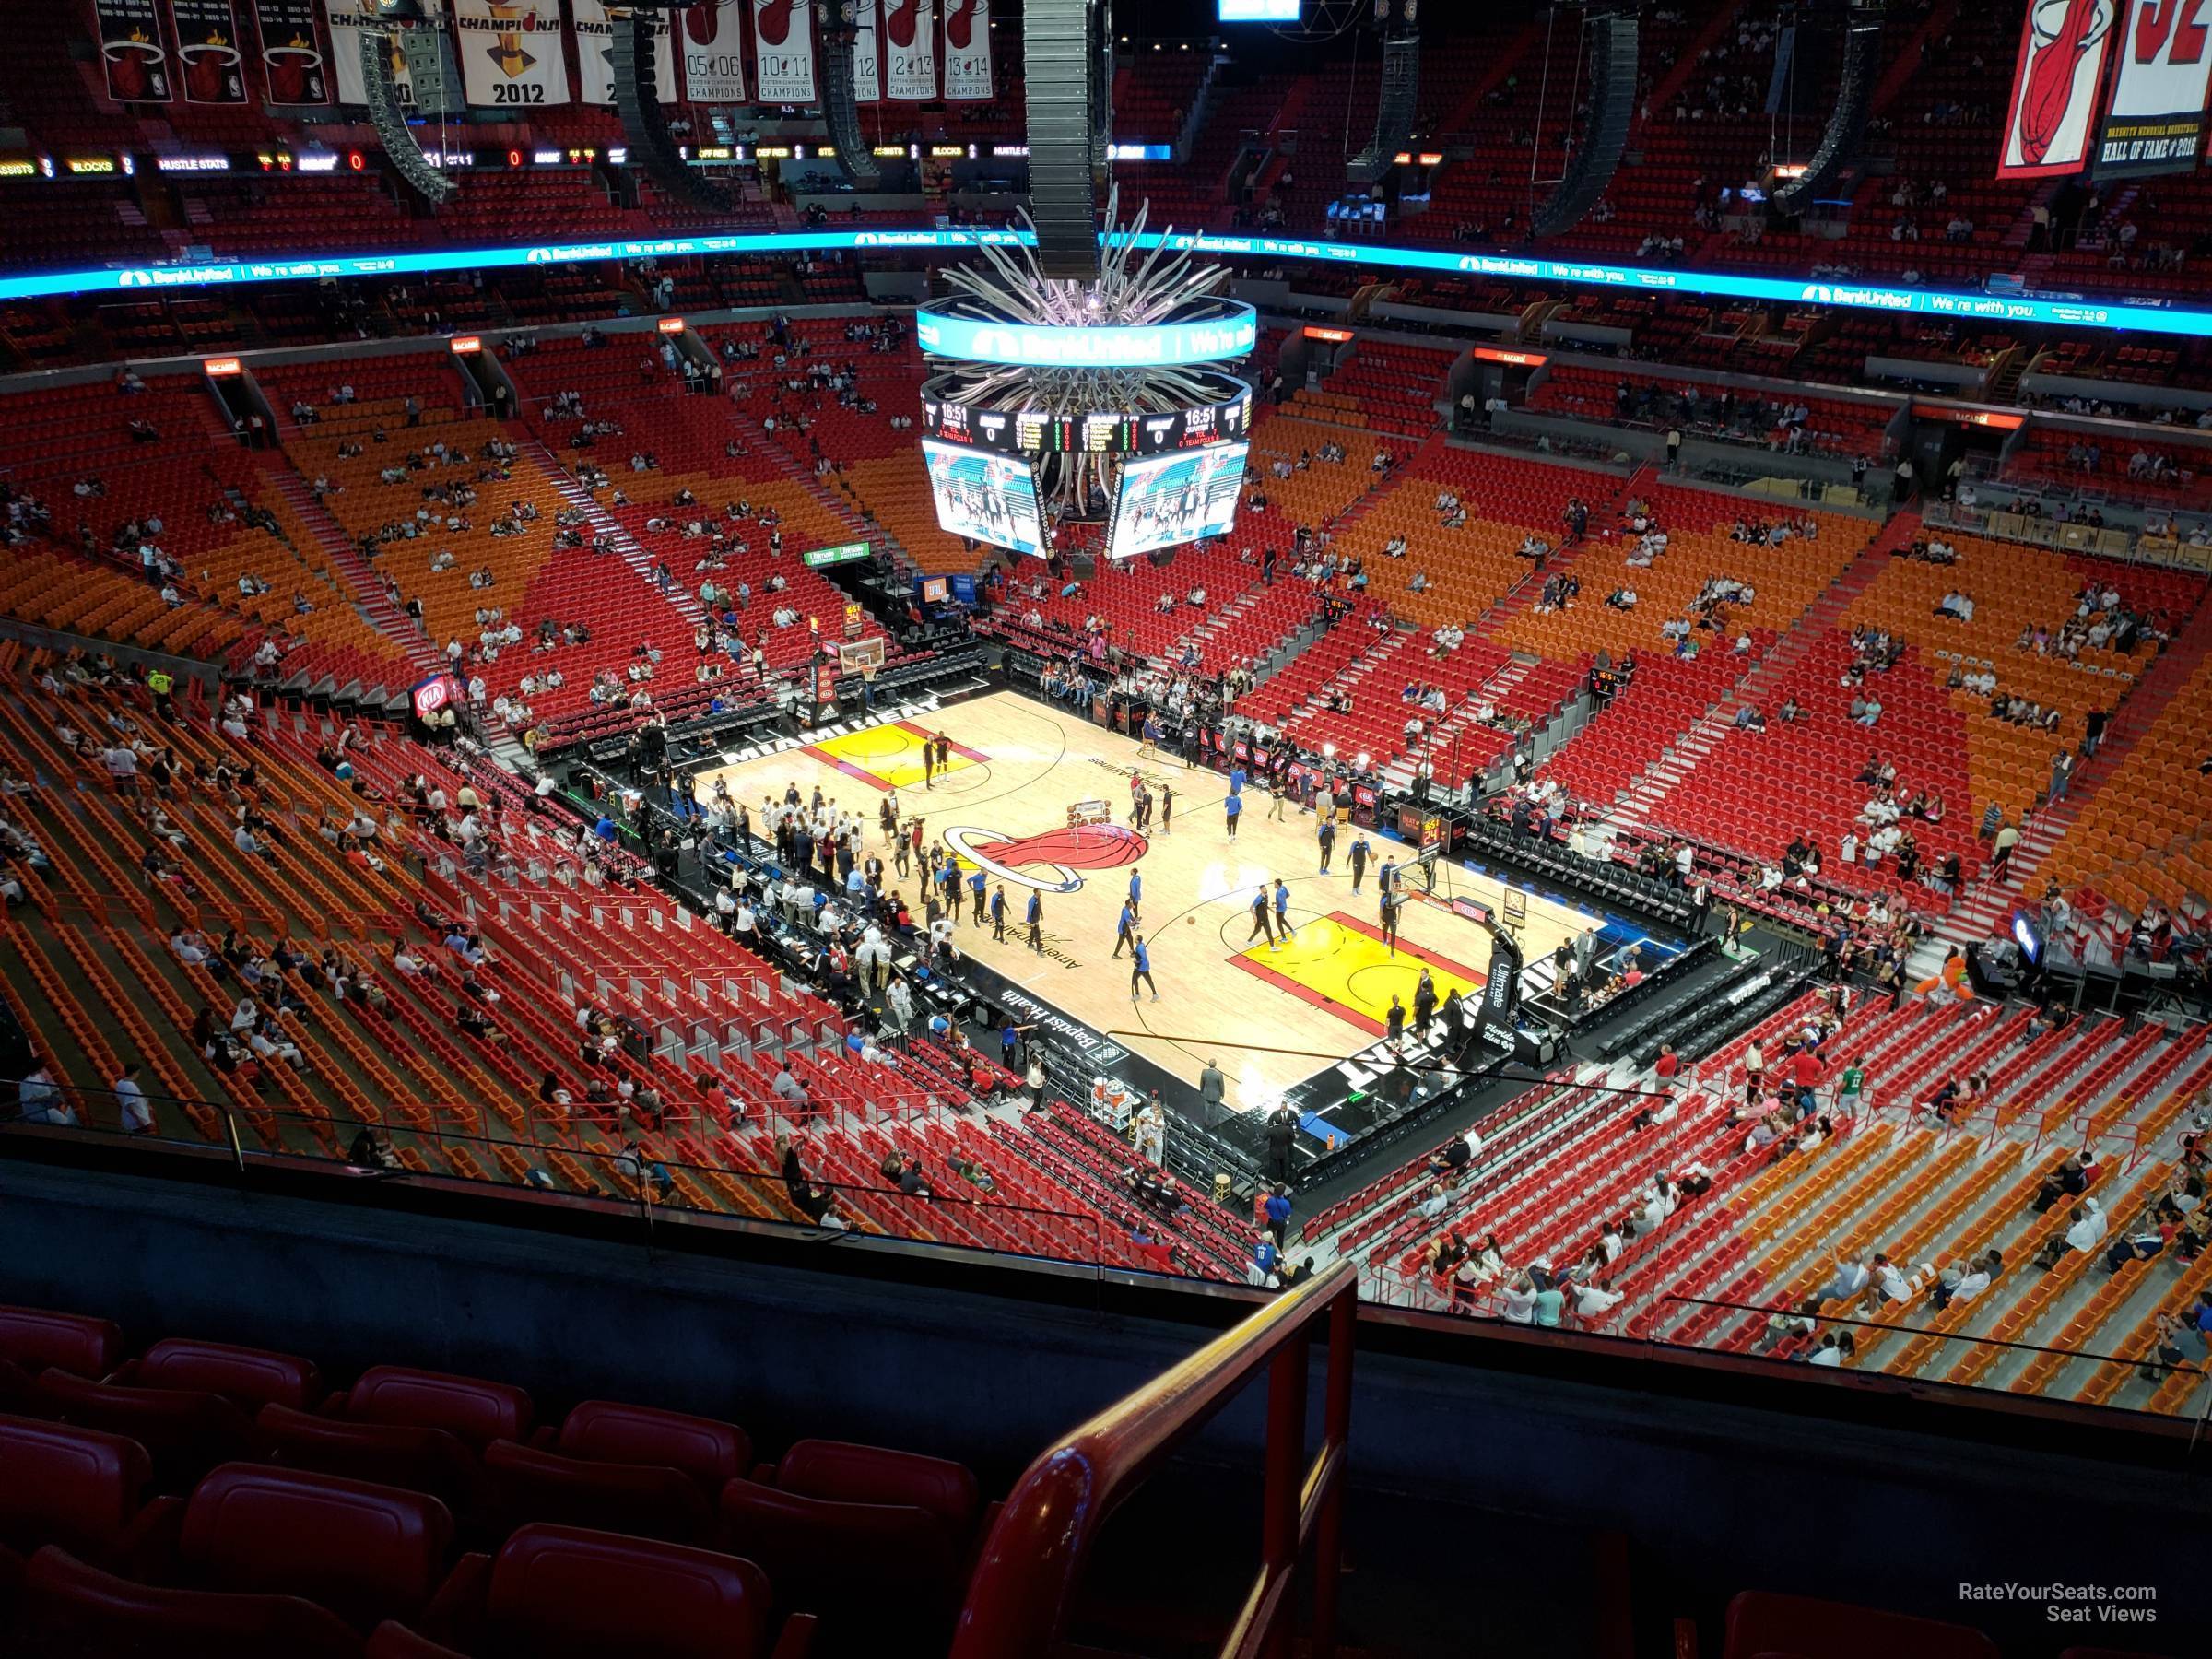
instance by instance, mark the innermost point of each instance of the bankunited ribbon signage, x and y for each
(2064, 311)
(1232, 334)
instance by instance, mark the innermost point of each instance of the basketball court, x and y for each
(1018, 767)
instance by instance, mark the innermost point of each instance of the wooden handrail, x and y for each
(1026, 1576)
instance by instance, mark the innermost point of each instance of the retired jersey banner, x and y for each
(292, 66)
(131, 51)
(967, 49)
(910, 49)
(513, 54)
(867, 57)
(349, 20)
(782, 51)
(2155, 122)
(2051, 118)
(210, 64)
(594, 43)
(712, 38)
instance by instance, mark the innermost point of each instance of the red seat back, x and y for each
(852, 1563)
(609, 1431)
(641, 1499)
(419, 1460)
(36, 1337)
(478, 1411)
(366, 1552)
(73, 1607)
(560, 1590)
(187, 1432)
(252, 1377)
(1804, 1628)
(59, 1483)
(853, 1474)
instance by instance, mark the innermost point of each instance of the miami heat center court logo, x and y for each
(1054, 862)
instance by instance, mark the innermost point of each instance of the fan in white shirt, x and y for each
(2088, 1226)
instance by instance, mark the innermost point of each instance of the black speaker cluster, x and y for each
(1613, 44)
(634, 56)
(1847, 123)
(391, 123)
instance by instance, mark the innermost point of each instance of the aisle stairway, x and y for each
(367, 588)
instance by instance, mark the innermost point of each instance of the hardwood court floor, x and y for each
(1018, 763)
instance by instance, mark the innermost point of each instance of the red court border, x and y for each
(1351, 1016)
(853, 768)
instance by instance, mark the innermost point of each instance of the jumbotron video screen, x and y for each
(985, 496)
(1165, 500)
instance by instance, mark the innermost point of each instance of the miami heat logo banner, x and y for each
(347, 18)
(132, 53)
(594, 43)
(514, 55)
(2049, 124)
(910, 49)
(292, 64)
(967, 49)
(712, 38)
(782, 51)
(2155, 122)
(867, 57)
(209, 62)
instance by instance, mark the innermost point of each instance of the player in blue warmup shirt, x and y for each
(1140, 968)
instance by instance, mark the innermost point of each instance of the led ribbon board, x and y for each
(2147, 316)
(1230, 332)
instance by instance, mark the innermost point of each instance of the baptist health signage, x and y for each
(1185, 343)
(1231, 334)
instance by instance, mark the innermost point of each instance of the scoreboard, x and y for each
(1031, 433)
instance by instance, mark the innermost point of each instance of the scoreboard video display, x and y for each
(1165, 500)
(985, 496)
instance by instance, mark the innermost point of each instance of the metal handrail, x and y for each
(1026, 1577)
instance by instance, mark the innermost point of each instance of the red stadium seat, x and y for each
(78, 1487)
(366, 1552)
(642, 1499)
(71, 1606)
(557, 1592)
(469, 1407)
(842, 1472)
(420, 1460)
(1766, 1626)
(880, 1576)
(187, 1431)
(35, 1338)
(609, 1431)
(250, 1377)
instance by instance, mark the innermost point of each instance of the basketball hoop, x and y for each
(864, 657)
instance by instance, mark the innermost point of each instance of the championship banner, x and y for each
(292, 64)
(510, 52)
(910, 49)
(348, 21)
(712, 38)
(131, 51)
(782, 52)
(211, 65)
(594, 43)
(2155, 122)
(2049, 123)
(867, 57)
(967, 49)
